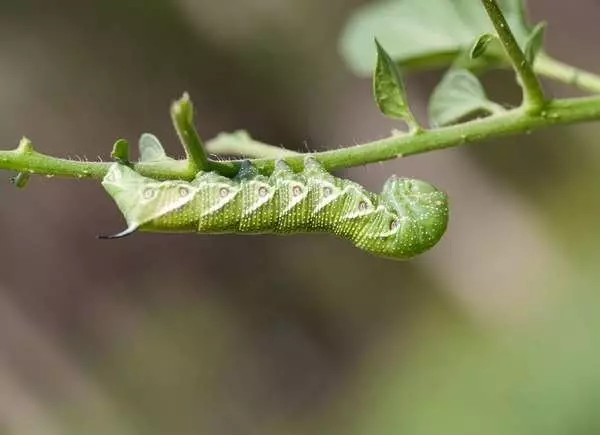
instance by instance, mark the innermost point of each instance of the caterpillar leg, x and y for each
(312, 166)
(282, 169)
(247, 171)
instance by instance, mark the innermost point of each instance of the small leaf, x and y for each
(481, 45)
(388, 88)
(533, 43)
(423, 33)
(150, 149)
(458, 96)
(21, 179)
(120, 151)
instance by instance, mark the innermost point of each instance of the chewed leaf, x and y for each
(458, 96)
(388, 88)
(151, 149)
(422, 33)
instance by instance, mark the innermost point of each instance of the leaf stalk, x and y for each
(533, 94)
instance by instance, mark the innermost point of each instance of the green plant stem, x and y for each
(533, 95)
(182, 114)
(549, 67)
(519, 120)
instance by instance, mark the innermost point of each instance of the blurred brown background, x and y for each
(495, 331)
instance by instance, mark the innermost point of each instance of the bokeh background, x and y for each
(495, 331)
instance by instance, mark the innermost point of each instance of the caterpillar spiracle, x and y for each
(407, 218)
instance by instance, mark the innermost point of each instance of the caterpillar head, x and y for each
(145, 203)
(420, 216)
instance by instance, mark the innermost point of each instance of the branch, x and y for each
(570, 75)
(568, 111)
(182, 114)
(533, 95)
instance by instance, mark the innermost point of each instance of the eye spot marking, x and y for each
(148, 193)
(183, 191)
(297, 190)
(394, 224)
(110, 177)
(263, 191)
(223, 192)
(327, 191)
(362, 205)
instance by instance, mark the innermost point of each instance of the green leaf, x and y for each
(151, 150)
(422, 33)
(388, 88)
(120, 151)
(458, 96)
(481, 44)
(533, 44)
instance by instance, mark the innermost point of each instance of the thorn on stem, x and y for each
(25, 146)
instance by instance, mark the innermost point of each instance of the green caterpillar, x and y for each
(407, 218)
